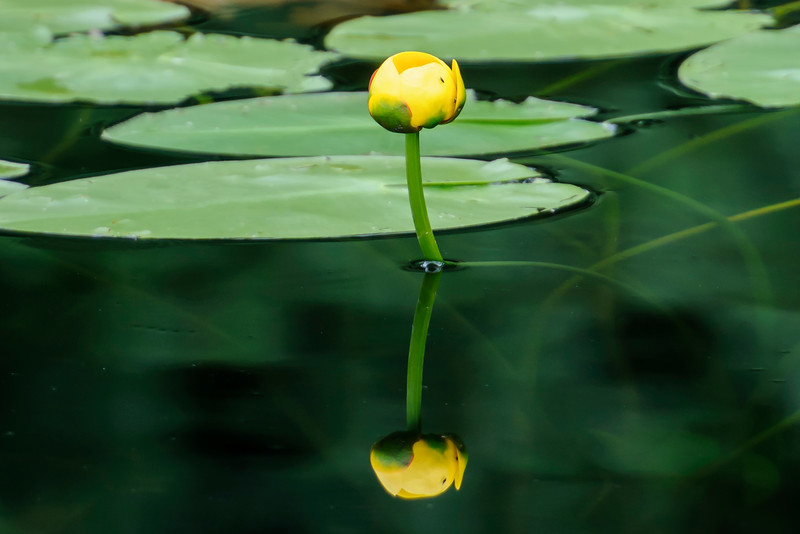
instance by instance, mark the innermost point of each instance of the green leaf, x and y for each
(11, 169)
(495, 5)
(288, 198)
(65, 16)
(541, 32)
(7, 187)
(154, 68)
(23, 41)
(339, 123)
(762, 68)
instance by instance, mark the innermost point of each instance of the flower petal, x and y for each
(408, 60)
(429, 91)
(461, 94)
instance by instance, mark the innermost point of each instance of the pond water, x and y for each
(178, 386)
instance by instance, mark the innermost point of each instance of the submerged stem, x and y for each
(416, 349)
(419, 212)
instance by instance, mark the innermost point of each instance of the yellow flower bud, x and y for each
(413, 466)
(415, 90)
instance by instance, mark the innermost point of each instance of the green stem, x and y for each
(417, 199)
(416, 349)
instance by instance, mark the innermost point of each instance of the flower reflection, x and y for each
(413, 466)
(410, 464)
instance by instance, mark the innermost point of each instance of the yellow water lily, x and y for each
(415, 90)
(413, 466)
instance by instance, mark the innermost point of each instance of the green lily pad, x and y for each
(23, 41)
(495, 5)
(762, 68)
(285, 198)
(7, 187)
(154, 68)
(541, 32)
(339, 124)
(64, 16)
(11, 169)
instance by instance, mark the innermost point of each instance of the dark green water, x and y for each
(166, 387)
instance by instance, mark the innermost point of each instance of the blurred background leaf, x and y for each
(82, 15)
(762, 68)
(544, 32)
(156, 68)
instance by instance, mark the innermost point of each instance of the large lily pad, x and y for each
(546, 31)
(64, 16)
(285, 198)
(154, 68)
(339, 123)
(12, 169)
(762, 68)
(518, 4)
(7, 187)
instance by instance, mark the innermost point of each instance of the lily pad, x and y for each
(542, 32)
(762, 68)
(155, 68)
(11, 169)
(284, 198)
(518, 4)
(7, 187)
(64, 16)
(339, 123)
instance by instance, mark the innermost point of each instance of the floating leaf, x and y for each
(7, 187)
(682, 112)
(65, 16)
(338, 123)
(762, 68)
(11, 169)
(157, 67)
(541, 32)
(495, 5)
(23, 41)
(287, 198)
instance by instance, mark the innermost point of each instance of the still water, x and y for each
(237, 387)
